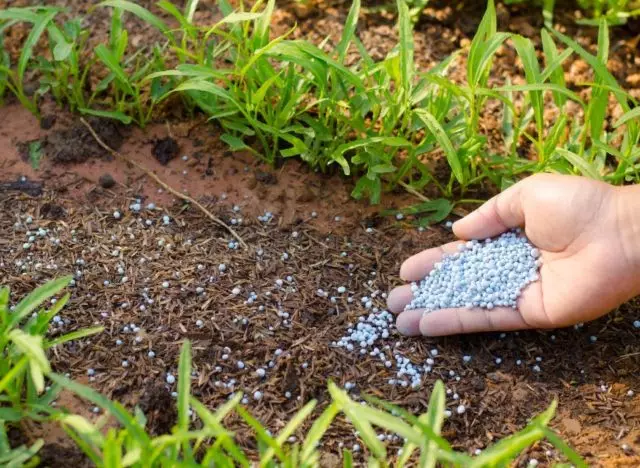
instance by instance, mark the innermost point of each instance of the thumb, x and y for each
(499, 214)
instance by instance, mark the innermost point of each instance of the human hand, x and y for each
(588, 233)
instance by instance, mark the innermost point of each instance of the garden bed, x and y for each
(330, 241)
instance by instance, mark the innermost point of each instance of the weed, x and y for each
(24, 364)
(381, 122)
(209, 443)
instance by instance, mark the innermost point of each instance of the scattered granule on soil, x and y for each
(263, 321)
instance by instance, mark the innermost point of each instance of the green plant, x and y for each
(614, 12)
(24, 363)
(41, 20)
(209, 444)
(64, 75)
(384, 123)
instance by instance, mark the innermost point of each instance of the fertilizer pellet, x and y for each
(485, 274)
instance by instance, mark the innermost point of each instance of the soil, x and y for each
(77, 145)
(68, 195)
(165, 149)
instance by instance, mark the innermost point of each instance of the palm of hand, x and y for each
(572, 223)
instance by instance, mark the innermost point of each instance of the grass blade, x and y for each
(627, 116)
(36, 298)
(349, 30)
(289, 429)
(32, 39)
(76, 335)
(190, 10)
(261, 30)
(317, 430)
(184, 385)
(141, 12)
(114, 408)
(406, 47)
(557, 75)
(116, 115)
(545, 87)
(527, 54)
(599, 69)
(367, 433)
(579, 163)
(443, 140)
(111, 62)
(599, 96)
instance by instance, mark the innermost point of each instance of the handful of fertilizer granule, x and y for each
(485, 274)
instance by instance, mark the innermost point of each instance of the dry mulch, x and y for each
(187, 253)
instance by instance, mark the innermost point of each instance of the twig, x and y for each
(159, 181)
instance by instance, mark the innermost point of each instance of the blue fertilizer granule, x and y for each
(484, 274)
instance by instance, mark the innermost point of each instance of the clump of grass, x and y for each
(382, 123)
(209, 443)
(24, 364)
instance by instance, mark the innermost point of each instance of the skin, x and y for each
(588, 233)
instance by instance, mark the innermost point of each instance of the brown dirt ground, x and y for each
(597, 420)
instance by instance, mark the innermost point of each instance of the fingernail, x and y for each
(408, 323)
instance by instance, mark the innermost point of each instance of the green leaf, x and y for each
(599, 69)
(580, 163)
(338, 154)
(349, 30)
(75, 335)
(441, 137)
(184, 385)
(141, 12)
(527, 54)
(62, 50)
(32, 346)
(262, 26)
(190, 9)
(210, 88)
(32, 39)
(111, 62)
(367, 434)
(184, 393)
(11, 415)
(288, 430)
(36, 298)
(235, 143)
(545, 87)
(557, 75)
(434, 419)
(599, 96)
(116, 115)
(317, 430)
(627, 116)
(406, 47)
(486, 30)
(35, 153)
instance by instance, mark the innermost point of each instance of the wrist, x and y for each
(628, 224)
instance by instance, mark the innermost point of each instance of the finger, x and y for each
(499, 214)
(408, 323)
(399, 298)
(418, 266)
(461, 321)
